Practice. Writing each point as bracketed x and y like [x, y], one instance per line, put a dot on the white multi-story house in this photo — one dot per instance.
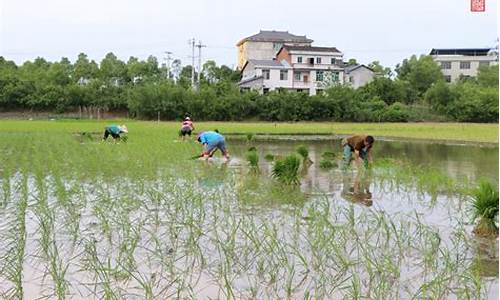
[265, 44]
[295, 68]
[456, 63]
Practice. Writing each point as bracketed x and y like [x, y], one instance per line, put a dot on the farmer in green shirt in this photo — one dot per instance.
[114, 131]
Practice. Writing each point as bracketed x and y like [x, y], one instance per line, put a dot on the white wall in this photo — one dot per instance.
[455, 60]
[359, 77]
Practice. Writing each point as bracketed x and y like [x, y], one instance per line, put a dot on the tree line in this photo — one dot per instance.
[416, 91]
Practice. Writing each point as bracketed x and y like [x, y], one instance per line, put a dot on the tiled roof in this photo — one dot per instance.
[265, 62]
[311, 48]
[462, 51]
[275, 36]
[349, 69]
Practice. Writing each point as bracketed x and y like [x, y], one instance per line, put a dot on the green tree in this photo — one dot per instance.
[420, 73]
[488, 76]
[379, 69]
[84, 70]
[352, 62]
[112, 70]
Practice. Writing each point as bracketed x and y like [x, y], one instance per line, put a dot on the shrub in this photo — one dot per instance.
[396, 112]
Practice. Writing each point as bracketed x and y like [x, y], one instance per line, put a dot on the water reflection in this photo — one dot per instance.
[356, 188]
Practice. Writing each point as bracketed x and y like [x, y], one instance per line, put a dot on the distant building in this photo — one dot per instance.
[358, 75]
[295, 68]
[462, 62]
[265, 44]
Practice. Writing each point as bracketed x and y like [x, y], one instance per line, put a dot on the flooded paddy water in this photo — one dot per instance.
[209, 230]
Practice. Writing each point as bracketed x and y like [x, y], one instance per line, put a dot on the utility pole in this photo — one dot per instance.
[191, 42]
[199, 60]
[168, 59]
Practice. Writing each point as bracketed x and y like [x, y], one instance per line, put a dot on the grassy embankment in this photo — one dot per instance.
[458, 132]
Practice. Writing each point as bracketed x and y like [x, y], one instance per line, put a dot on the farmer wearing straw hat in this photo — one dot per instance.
[361, 146]
[114, 131]
[212, 141]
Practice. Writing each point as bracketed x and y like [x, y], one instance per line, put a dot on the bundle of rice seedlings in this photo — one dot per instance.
[485, 206]
[286, 170]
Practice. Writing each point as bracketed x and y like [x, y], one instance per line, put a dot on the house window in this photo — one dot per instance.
[446, 65]
[465, 65]
[300, 90]
[311, 60]
[297, 76]
[319, 75]
[351, 79]
[484, 63]
[318, 60]
[299, 59]
[335, 76]
[306, 78]
[266, 74]
[283, 74]
[447, 78]
[265, 91]
[334, 61]
[277, 46]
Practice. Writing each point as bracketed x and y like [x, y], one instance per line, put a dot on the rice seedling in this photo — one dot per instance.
[286, 170]
[327, 164]
[119, 221]
[304, 153]
[269, 157]
[485, 206]
[253, 159]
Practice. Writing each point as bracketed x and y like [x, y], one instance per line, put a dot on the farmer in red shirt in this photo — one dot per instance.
[187, 127]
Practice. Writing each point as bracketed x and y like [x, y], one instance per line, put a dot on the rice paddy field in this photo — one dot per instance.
[85, 219]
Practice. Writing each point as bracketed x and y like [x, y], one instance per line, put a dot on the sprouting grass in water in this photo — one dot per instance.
[328, 160]
[272, 248]
[269, 157]
[304, 153]
[253, 159]
[286, 170]
[485, 205]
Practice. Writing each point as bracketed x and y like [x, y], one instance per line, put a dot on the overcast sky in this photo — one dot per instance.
[384, 30]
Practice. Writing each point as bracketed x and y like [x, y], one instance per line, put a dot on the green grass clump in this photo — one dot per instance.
[303, 152]
[249, 137]
[328, 155]
[286, 170]
[327, 164]
[253, 158]
[269, 157]
[485, 205]
[328, 160]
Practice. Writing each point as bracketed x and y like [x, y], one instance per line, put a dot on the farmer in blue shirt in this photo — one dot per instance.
[114, 131]
[212, 141]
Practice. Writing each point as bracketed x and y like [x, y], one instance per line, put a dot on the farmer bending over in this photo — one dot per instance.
[212, 141]
[114, 131]
[187, 127]
[361, 145]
